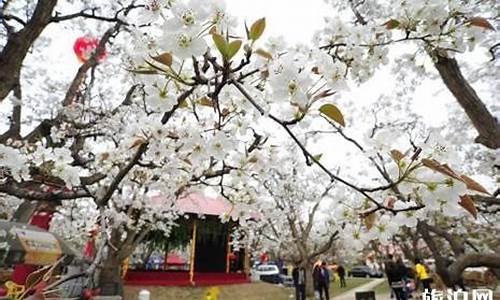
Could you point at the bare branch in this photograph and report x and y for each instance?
(325, 247)
(121, 174)
(36, 191)
(15, 125)
(84, 14)
(18, 44)
(485, 123)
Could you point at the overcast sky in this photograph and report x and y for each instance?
(297, 20)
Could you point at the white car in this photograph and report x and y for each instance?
(267, 273)
(267, 270)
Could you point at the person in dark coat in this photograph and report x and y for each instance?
(341, 273)
(395, 275)
(299, 281)
(321, 278)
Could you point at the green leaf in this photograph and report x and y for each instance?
(332, 112)
(233, 48)
(257, 29)
(220, 43)
(164, 58)
(153, 66)
(205, 101)
(264, 53)
(183, 104)
(317, 157)
(392, 24)
(144, 71)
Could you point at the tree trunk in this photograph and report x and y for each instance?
(18, 45)
(146, 257)
(110, 280)
(485, 123)
(309, 279)
(24, 212)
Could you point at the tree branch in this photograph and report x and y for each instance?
(309, 156)
(18, 45)
(92, 62)
(14, 130)
(121, 174)
(36, 191)
(84, 14)
(325, 247)
(485, 123)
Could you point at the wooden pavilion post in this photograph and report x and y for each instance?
(228, 252)
(246, 262)
(193, 253)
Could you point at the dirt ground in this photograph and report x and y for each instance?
(250, 291)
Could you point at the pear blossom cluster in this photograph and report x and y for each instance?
(206, 114)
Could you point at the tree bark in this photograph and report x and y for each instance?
(309, 279)
(110, 280)
(110, 276)
(146, 257)
(24, 212)
(18, 45)
(485, 123)
(491, 260)
(451, 274)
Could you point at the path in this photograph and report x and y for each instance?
(349, 295)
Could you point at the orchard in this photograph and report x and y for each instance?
(175, 97)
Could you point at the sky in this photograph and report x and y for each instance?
(297, 20)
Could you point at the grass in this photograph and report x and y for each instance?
(250, 291)
(351, 282)
(383, 288)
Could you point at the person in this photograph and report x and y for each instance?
(422, 274)
(280, 263)
(321, 278)
(405, 276)
(341, 273)
(264, 258)
(299, 281)
(395, 273)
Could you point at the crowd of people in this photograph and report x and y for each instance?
(321, 280)
(402, 279)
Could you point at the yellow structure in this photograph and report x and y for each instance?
(14, 290)
(125, 266)
(193, 249)
(212, 294)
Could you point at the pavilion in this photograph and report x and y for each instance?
(212, 260)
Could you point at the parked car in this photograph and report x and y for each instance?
(286, 280)
(268, 273)
(364, 271)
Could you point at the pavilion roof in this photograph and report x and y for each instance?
(197, 203)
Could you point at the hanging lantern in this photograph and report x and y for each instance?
(85, 46)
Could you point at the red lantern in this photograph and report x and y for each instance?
(85, 46)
